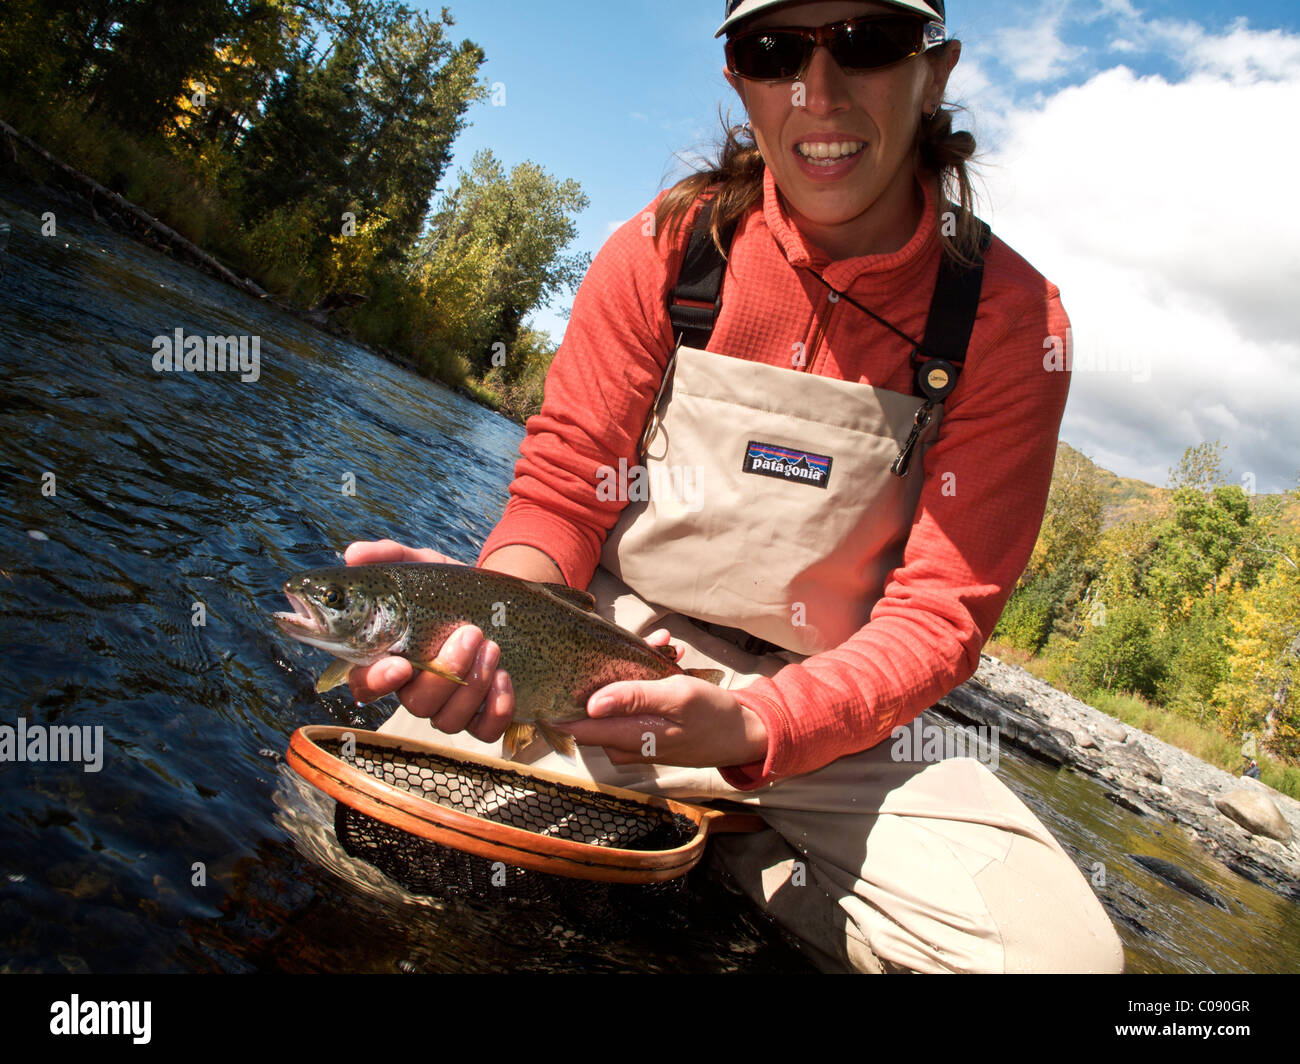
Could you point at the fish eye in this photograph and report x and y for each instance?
(333, 598)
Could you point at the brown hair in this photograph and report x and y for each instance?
(736, 180)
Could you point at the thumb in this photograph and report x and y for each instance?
(629, 698)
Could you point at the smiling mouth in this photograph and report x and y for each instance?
(821, 153)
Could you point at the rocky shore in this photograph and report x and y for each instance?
(1250, 827)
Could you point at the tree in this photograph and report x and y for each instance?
(1210, 522)
(1072, 519)
(155, 47)
(502, 238)
(1259, 693)
(363, 125)
(1122, 654)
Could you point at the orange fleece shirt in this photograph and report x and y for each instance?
(986, 476)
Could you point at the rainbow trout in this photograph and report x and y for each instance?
(557, 650)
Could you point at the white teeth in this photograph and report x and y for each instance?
(822, 152)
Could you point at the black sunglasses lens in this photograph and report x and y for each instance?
(768, 56)
(873, 43)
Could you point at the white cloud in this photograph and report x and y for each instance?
(1035, 52)
(1162, 210)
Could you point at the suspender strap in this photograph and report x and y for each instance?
(693, 305)
(939, 359)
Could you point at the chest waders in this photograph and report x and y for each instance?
(779, 501)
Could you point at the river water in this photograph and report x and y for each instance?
(137, 502)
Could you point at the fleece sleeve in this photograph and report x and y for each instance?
(598, 394)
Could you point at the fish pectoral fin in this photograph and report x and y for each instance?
(334, 676)
(438, 669)
(572, 595)
(713, 676)
(564, 743)
(517, 737)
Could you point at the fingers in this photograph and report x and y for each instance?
(633, 738)
(368, 552)
(464, 701)
(496, 713)
(425, 694)
(648, 697)
(370, 682)
(484, 704)
(661, 637)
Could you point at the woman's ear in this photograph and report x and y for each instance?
(736, 83)
(941, 66)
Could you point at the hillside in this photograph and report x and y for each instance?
(1127, 499)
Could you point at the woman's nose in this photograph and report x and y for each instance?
(823, 84)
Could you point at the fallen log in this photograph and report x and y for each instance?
(152, 224)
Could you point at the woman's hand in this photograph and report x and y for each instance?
(483, 706)
(680, 720)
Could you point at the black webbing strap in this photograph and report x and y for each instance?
(694, 303)
(948, 325)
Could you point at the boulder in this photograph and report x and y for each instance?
(1132, 758)
(1111, 731)
(1255, 812)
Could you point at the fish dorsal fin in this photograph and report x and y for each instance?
(572, 595)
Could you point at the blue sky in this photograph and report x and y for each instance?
(1123, 146)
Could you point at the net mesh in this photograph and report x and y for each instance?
(504, 797)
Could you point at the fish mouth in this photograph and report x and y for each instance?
(307, 624)
(305, 620)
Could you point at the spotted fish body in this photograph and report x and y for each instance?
(557, 650)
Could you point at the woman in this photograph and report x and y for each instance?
(837, 531)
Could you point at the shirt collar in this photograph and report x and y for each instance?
(844, 272)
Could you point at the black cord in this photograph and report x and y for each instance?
(915, 344)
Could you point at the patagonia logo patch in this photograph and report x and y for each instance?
(785, 463)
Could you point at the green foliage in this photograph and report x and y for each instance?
(365, 125)
(517, 385)
(1028, 618)
(1121, 652)
(1072, 520)
(1197, 546)
(1260, 690)
(498, 241)
(1197, 655)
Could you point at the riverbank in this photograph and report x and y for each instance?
(1139, 772)
(382, 321)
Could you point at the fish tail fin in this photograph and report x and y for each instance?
(517, 737)
(713, 676)
(564, 743)
(438, 669)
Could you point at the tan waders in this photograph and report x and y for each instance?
(772, 510)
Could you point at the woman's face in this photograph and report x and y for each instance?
(863, 201)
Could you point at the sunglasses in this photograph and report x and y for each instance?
(856, 44)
